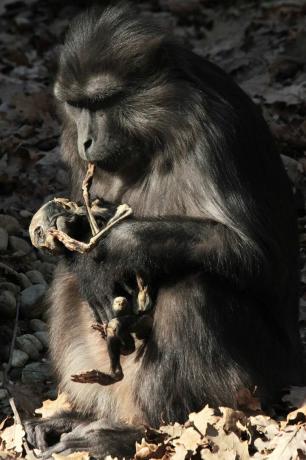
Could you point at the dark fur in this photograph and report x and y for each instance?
(214, 229)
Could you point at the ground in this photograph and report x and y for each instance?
(262, 45)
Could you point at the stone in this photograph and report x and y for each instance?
(19, 358)
(3, 394)
(38, 325)
(24, 212)
(24, 280)
(35, 277)
(7, 304)
(10, 224)
(43, 337)
(46, 268)
(7, 286)
(19, 245)
(30, 345)
(36, 372)
(3, 239)
(31, 300)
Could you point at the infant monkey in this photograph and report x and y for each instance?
(118, 335)
(49, 228)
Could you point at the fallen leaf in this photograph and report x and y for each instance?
(144, 450)
(296, 416)
(51, 407)
(202, 418)
(74, 456)
(190, 439)
(13, 437)
(288, 443)
(246, 400)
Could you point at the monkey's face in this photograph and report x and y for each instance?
(114, 90)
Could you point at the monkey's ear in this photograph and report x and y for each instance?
(149, 54)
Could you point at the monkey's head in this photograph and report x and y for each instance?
(116, 86)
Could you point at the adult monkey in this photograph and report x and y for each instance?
(213, 230)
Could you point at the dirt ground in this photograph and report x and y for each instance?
(260, 43)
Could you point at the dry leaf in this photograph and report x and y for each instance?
(230, 419)
(297, 416)
(144, 450)
(174, 431)
(180, 452)
(202, 418)
(246, 400)
(265, 425)
(13, 437)
(51, 407)
(206, 454)
(288, 442)
(190, 439)
(74, 456)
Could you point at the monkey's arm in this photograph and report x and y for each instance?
(160, 247)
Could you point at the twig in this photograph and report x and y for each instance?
(12, 346)
(30, 452)
(86, 184)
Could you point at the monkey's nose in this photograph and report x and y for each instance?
(87, 145)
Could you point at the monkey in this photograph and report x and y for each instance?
(58, 214)
(213, 231)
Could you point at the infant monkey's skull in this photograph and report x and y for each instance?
(55, 214)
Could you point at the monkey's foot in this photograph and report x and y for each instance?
(95, 376)
(102, 328)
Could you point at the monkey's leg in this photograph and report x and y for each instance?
(100, 438)
(42, 433)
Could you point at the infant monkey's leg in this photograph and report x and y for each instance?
(119, 341)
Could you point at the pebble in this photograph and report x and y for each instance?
(36, 372)
(30, 344)
(19, 358)
(46, 268)
(31, 300)
(7, 286)
(43, 337)
(3, 239)
(24, 212)
(7, 304)
(19, 245)
(10, 224)
(1, 378)
(38, 325)
(35, 277)
(3, 394)
(24, 280)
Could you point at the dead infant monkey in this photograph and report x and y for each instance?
(129, 317)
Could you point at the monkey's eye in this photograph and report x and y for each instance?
(96, 103)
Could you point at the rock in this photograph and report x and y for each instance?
(7, 286)
(43, 337)
(31, 301)
(35, 277)
(19, 358)
(7, 304)
(30, 345)
(38, 325)
(36, 372)
(24, 280)
(3, 239)
(19, 245)
(1, 378)
(24, 212)
(3, 394)
(46, 268)
(10, 224)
